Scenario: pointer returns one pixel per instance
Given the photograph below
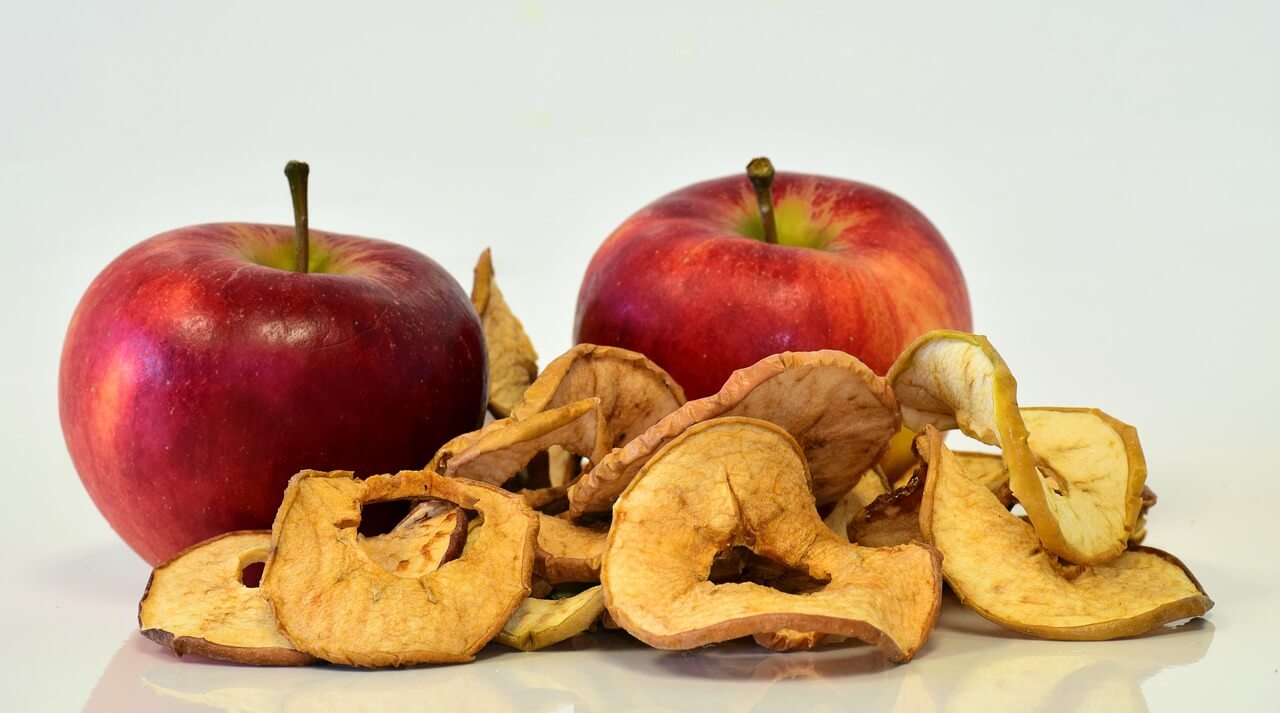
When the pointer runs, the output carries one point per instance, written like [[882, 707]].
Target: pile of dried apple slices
[[601, 497]]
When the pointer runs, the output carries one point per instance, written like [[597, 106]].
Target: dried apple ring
[[836, 408], [634, 392], [431, 534], [743, 482], [1083, 509], [539, 623], [869, 487], [334, 602], [995, 563], [197, 603], [513, 363], [568, 552]]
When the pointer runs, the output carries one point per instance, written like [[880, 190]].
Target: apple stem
[[296, 172], [760, 171]]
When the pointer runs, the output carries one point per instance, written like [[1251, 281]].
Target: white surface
[[1107, 176]]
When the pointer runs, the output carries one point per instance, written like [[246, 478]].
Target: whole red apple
[[694, 281], [202, 369]]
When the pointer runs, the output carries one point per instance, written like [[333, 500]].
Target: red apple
[[693, 281], [201, 371]]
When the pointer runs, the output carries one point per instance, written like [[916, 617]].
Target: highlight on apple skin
[[693, 282]]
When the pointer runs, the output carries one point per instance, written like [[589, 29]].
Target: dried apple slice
[[335, 603], [957, 380], [743, 482], [996, 565], [990, 470], [196, 603], [837, 409], [513, 363], [634, 392], [568, 552], [498, 451], [870, 486], [891, 519], [432, 534], [539, 623]]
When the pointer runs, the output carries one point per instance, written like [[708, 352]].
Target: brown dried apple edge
[[741, 482], [334, 602], [998, 566], [197, 603]]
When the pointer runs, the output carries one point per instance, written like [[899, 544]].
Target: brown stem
[[296, 172], [760, 171]]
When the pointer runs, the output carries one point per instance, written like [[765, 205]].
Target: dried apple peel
[[539, 623], [738, 481], [333, 602], [837, 409], [996, 565], [196, 603], [513, 363]]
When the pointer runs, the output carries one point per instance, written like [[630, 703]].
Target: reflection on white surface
[[968, 665]]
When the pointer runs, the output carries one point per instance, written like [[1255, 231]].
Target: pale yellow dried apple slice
[[568, 552], [634, 392], [431, 534], [996, 565], [335, 603], [197, 603], [957, 380], [539, 623], [837, 409], [743, 482], [990, 470], [513, 363], [496, 452]]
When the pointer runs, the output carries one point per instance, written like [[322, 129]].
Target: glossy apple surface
[[690, 282], [199, 373]]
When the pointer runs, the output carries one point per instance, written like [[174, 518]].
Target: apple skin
[[197, 377], [689, 281]]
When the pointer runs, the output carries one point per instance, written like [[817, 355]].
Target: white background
[[1107, 174]]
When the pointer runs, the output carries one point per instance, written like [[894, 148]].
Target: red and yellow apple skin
[[690, 282], [199, 373]]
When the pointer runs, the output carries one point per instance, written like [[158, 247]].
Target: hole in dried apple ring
[[740, 564], [251, 574]]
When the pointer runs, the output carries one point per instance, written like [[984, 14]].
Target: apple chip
[[500, 449], [539, 623], [743, 482], [1076, 479], [513, 363], [837, 409], [334, 602], [891, 519], [995, 563], [870, 486], [988, 469], [197, 603], [634, 392], [432, 534], [568, 552]]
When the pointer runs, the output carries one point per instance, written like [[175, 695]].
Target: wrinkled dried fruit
[[495, 453], [513, 363], [332, 601], [1076, 480], [539, 623], [432, 534], [568, 552], [837, 409], [891, 519], [988, 469], [996, 565], [196, 603], [634, 392], [870, 486], [743, 482]]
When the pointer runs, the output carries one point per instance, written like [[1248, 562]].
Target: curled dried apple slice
[[568, 552], [743, 482], [996, 565], [499, 450], [513, 363], [432, 534], [891, 519], [837, 409], [539, 623], [634, 392], [334, 602], [1081, 507], [990, 470], [869, 487], [197, 603]]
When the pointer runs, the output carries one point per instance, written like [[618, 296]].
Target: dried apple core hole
[[251, 574], [741, 564], [380, 518]]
